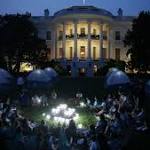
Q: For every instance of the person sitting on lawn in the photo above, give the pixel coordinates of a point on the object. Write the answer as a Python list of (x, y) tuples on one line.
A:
[(54, 95), (79, 96)]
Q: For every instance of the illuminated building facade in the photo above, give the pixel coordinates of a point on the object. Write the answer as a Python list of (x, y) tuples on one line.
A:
[(84, 33)]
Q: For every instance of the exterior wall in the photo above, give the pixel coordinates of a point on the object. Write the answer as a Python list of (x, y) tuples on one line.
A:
[(90, 22), (122, 27)]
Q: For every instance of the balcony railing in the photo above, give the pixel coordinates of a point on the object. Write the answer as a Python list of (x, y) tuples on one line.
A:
[(95, 37), (70, 36), (82, 35), (79, 36)]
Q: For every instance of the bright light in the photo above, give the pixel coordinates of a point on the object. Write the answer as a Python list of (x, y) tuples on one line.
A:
[(43, 114), (76, 117), (55, 111), (61, 120), (80, 126), (48, 117), (26, 67), (67, 121), (62, 106), (55, 118), (62, 114), (69, 112), (82, 104), (97, 118), (38, 100)]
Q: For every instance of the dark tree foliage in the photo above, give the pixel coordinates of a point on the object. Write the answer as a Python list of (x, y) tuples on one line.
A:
[(138, 41), (19, 41)]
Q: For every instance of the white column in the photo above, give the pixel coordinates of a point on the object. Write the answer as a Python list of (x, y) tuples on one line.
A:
[(75, 39), (101, 41), (64, 41), (89, 39)]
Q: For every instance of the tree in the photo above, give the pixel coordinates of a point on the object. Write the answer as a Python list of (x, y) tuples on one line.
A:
[(138, 41), (19, 41)]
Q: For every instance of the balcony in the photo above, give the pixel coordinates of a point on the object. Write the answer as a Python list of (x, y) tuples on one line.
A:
[(70, 36), (82, 35), (95, 37)]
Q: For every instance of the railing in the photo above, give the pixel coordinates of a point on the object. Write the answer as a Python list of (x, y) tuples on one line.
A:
[(79, 36), (82, 35), (70, 36), (95, 37)]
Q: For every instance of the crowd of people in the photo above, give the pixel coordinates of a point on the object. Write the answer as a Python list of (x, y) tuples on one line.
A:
[(118, 115)]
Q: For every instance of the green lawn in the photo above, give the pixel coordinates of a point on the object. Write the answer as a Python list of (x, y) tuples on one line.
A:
[(66, 88), (90, 87), (86, 116)]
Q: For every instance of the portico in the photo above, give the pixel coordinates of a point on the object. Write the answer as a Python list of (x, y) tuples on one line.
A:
[(82, 39)]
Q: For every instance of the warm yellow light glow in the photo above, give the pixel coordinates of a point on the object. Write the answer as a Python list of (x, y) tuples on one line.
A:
[(26, 67)]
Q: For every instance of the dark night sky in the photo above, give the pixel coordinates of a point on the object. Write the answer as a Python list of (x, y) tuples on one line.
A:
[(36, 7)]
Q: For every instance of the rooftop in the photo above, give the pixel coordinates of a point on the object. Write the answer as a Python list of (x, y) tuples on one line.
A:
[(84, 10)]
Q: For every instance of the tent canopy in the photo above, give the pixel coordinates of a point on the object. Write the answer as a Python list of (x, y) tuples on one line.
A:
[(38, 76), (117, 78), (51, 72)]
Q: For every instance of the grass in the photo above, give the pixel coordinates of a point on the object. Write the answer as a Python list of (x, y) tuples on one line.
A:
[(66, 89), (86, 116)]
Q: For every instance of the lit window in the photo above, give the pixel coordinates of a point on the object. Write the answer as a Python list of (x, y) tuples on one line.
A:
[(94, 31), (71, 32), (82, 30), (82, 52), (70, 52), (94, 53)]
